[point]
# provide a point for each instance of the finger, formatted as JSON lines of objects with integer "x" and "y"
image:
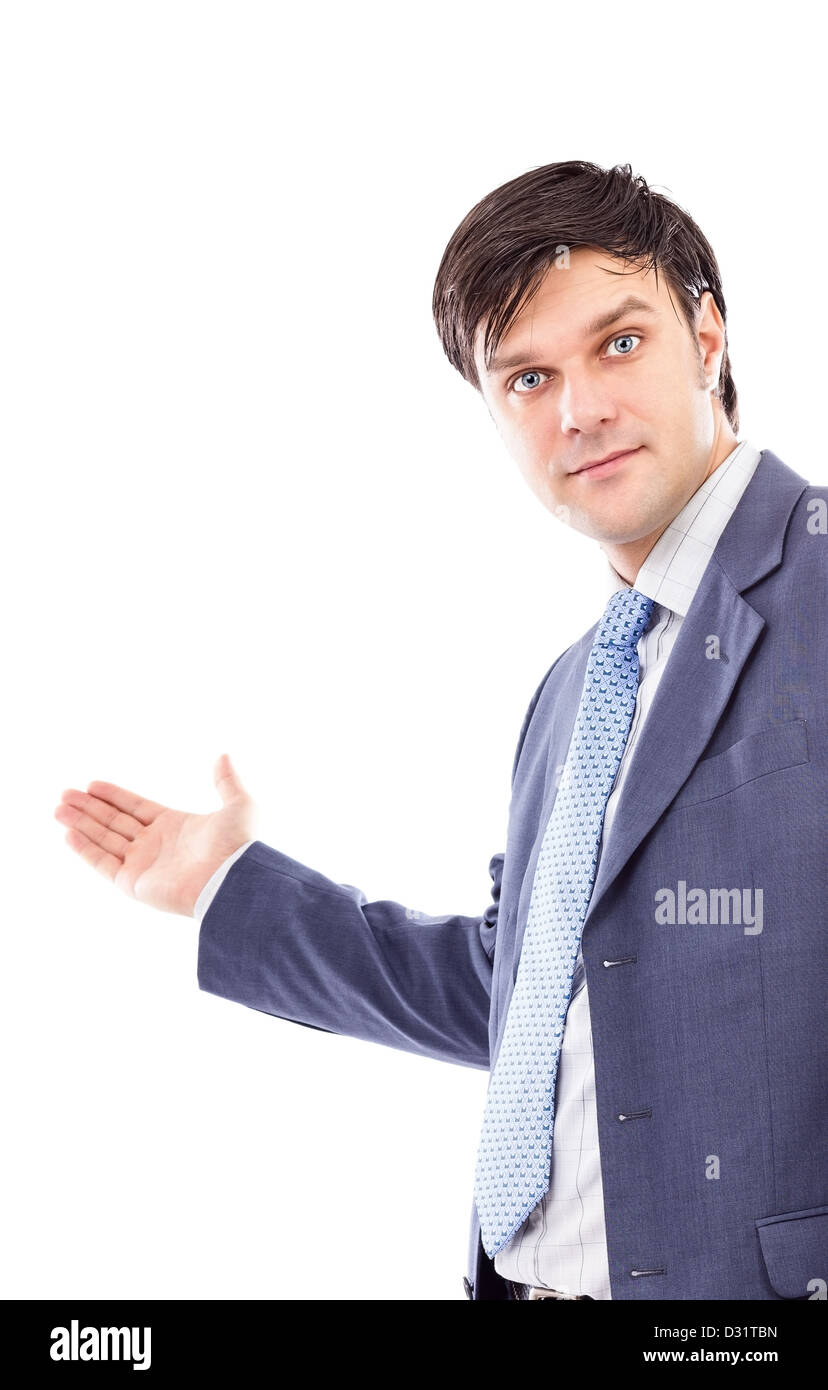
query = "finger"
{"x": 107, "y": 864}
{"x": 138, "y": 806}
{"x": 104, "y": 812}
{"x": 93, "y": 831}
{"x": 227, "y": 779}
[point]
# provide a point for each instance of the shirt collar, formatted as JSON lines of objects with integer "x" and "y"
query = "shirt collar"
{"x": 671, "y": 572}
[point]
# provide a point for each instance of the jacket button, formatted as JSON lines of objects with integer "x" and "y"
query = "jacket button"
{"x": 468, "y": 1288}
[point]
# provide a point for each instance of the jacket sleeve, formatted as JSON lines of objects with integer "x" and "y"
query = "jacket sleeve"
{"x": 282, "y": 938}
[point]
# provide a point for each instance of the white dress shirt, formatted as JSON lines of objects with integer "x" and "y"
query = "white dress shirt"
{"x": 562, "y": 1243}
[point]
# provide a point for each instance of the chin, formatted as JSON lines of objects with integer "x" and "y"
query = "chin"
{"x": 616, "y": 531}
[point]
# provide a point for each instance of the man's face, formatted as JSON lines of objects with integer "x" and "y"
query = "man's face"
{"x": 565, "y": 390}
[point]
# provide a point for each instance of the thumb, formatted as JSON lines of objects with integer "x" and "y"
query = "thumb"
{"x": 227, "y": 780}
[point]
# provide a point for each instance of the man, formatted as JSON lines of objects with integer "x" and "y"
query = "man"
{"x": 646, "y": 986}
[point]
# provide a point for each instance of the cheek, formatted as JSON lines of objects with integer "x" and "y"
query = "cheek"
{"x": 531, "y": 441}
{"x": 669, "y": 388}
{"x": 521, "y": 442}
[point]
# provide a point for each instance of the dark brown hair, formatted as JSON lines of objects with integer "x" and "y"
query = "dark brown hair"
{"x": 501, "y": 251}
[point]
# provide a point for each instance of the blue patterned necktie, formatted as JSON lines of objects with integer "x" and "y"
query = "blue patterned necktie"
{"x": 514, "y": 1155}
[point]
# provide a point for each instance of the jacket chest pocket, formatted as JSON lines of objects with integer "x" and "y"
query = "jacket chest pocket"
{"x": 794, "y": 1246}
{"x": 768, "y": 750}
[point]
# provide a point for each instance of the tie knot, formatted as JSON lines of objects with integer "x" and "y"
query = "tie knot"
{"x": 626, "y": 616}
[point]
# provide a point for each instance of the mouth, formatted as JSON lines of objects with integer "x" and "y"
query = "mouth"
{"x": 606, "y": 466}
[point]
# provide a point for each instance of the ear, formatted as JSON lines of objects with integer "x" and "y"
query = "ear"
{"x": 711, "y": 337}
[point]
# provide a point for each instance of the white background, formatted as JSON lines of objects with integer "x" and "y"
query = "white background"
{"x": 250, "y": 507}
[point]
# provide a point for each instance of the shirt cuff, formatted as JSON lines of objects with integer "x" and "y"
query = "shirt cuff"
{"x": 213, "y": 884}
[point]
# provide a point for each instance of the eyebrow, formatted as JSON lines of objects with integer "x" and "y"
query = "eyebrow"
{"x": 633, "y": 304}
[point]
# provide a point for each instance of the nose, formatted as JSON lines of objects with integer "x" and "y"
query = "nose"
{"x": 585, "y": 405}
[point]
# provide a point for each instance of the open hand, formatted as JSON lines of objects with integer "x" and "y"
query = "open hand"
{"x": 160, "y": 856}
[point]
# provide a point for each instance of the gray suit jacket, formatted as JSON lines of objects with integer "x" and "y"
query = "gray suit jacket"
{"x": 708, "y": 1035}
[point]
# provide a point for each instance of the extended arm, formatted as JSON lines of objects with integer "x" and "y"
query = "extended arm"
{"x": 281, "y": 937}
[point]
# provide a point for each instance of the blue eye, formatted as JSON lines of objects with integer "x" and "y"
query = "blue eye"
{"x": 625, "y": 338}
{"x": 520, "y": 378}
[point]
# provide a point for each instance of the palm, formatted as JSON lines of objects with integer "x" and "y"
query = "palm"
{"x": 169, "y": 861}
{"x": 157, "y": 855}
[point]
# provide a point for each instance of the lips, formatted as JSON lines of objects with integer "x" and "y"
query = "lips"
{"x": 597, "y": 466}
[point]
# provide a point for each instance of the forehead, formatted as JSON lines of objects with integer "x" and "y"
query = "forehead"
{"x": 572, "y": 298}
